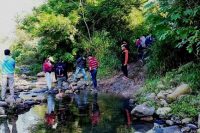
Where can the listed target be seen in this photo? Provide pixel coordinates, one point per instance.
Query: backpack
(138, 43)
(47, 67)
(60, 70)
(149, 40)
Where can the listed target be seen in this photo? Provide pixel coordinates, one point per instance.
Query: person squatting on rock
(80, 67)
(93, 67)
(60, 73)
(124, 61)
(7, 68)
(48, 68)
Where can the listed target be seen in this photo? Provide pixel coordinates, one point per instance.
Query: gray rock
(151, 96)
(185, 129)
(192, 126)
(161, 95)
(176, 120)
(10, 100)
(3, 104)
(2, 111)
(163, 112)
(169, 122)
(186, 120)
(171, 129)
(143, 110)
(163, 102)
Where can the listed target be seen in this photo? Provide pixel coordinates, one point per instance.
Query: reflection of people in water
(81, 97)
(4, 128)
(127, 107)
(64, 114)
(50, 116)
(95, 112)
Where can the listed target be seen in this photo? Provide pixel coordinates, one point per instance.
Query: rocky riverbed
(30, 91)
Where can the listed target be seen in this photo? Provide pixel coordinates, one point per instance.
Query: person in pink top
(48, 68)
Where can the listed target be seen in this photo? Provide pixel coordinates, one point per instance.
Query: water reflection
(81, 98)
(95, 111)
(50, 116)
(9, 125)
(96, 114)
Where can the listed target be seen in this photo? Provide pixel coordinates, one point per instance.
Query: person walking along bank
(7, 68)
(124, 61)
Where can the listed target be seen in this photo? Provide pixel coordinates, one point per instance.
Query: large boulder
(179, 91)
(163, 112)
(41, 74)
(143, 110)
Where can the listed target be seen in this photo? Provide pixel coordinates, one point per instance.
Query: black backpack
(60, 72)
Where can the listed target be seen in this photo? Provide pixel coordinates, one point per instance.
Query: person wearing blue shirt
(7, 69)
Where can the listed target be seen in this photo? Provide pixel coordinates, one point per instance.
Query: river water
(102, 115)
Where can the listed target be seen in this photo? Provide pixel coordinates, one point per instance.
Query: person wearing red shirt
(93, 66)
(124, 60)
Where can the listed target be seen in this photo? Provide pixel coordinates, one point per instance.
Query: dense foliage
(64, 29)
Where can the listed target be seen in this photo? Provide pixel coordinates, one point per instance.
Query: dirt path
(126, 88)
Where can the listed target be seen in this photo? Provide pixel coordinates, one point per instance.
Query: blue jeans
(94, 77)
(82, 70)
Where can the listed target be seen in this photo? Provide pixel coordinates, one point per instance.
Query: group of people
(60, 69)
(143, 43)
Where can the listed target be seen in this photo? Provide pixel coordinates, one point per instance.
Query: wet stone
(2, 111)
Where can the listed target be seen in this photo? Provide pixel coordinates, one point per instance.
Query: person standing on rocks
(60, 73)
(7, 68)
(124, 61)
(93, 67)
(80, 67)
(48, 68)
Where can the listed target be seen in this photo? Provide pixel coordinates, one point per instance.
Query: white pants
(48, 79)
(7, 79)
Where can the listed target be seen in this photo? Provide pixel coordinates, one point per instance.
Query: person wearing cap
(8, 69)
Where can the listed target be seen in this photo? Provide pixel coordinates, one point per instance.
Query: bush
(102, 47)
(187, 106)
(35, 68)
